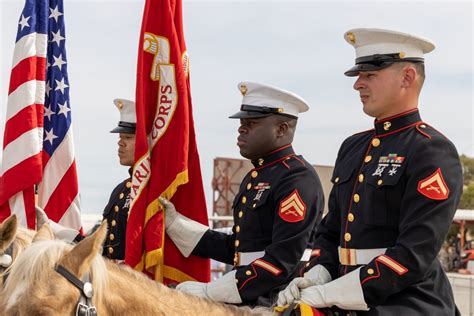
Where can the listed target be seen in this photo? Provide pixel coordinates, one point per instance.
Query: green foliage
(468, 169)
(467, 198)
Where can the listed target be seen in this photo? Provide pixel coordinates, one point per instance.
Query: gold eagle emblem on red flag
(292, 208)
(434, 187)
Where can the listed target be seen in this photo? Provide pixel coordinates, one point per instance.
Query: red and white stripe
(58, 192)
(24, 162)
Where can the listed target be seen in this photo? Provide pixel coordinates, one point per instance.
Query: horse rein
(84, 306)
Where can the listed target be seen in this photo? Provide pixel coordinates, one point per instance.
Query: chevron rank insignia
(292, 208)
(434, 187)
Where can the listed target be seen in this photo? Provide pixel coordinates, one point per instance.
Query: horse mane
(42, 256)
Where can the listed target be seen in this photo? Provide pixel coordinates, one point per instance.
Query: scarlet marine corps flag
(166, 158)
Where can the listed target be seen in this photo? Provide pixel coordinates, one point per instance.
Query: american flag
(38, 150)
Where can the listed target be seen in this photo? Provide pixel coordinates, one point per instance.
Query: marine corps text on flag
(166, 157)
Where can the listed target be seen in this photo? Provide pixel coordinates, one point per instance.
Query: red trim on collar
(274, 162)
(398, 130)
(278, 149)
(395, 116)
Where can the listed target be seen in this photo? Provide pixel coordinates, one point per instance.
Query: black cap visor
(249, 114)
(354, 71)
(252, 111)
(378, 62)
(125, 128)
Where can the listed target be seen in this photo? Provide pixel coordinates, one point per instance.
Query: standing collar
(397, 122)
(273, 157)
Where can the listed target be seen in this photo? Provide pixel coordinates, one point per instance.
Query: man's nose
(359, 84)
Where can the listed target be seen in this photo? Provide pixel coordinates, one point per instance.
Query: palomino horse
(13, 240)
(37, 287)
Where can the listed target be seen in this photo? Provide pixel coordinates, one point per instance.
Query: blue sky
(296, 45)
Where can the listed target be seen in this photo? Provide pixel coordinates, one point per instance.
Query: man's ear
(283, 129)
(409, 76)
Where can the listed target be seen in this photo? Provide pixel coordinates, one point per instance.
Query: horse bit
(84, 306)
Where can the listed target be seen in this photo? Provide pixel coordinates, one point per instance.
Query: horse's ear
(8, 231)
(79, 259)
(44, 233)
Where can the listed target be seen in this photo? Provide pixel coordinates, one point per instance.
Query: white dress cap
(128, 117)
(260, 100)
(377, 48)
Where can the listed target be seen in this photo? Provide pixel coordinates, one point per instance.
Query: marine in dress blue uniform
(396, 189)
(275, 211)
(116, 211)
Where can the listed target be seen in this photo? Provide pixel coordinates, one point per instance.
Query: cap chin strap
(381, 58)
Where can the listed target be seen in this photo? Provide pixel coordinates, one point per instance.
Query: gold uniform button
(241, 213)
(129, 184)
(347, 237)
(249, 186)
(237, 228)
(336, 180)
(113, 222)
(237, 243)
(116, 208)
(110, 250)
(356, 198)
(244, 200)
(121, 195)
(361, 178)
(368, 158)
(111, 237)
(380, 182)
(376, 142)
(248, 272)
(370, 271)
(350, 217)
(254, 174)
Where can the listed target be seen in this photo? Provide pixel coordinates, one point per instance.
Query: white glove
(60, 232)
(184, 232)
(317, 275)
(221, 290)
(344, 292)
(170, 211)
(198, 289)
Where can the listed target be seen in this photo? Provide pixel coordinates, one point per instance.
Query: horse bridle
(6, 261)
(84, 306)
